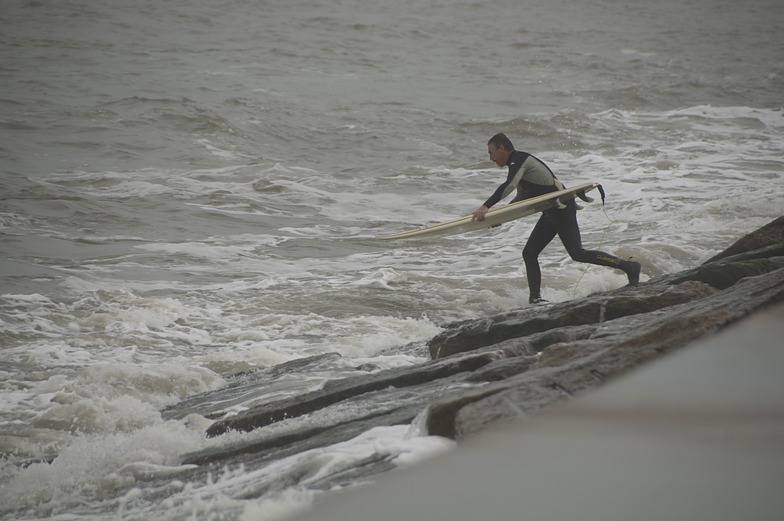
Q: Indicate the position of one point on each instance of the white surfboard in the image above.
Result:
(500, 214)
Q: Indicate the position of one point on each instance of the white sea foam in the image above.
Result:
(398, 444)
(160, 235)
(91, 467)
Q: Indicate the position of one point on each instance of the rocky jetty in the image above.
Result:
(488, 372)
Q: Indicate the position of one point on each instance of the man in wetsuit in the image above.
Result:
(531, 177)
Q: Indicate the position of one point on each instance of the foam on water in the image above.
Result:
(93, 366)
(94, 468)
(110, 472)
(176, 210)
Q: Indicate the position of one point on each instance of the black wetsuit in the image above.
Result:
(531, 177)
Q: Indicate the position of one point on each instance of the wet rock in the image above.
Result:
(543, 326)
(304, 438)
(727, 271)
(249, 388)
(340, 390)
(567, 369)
(485, 372)
(769, 235)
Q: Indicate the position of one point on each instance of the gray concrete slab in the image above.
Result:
(697, 435)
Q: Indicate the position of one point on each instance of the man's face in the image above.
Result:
(500, 156)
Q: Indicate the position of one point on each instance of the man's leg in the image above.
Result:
(569, 232)
(544, 232)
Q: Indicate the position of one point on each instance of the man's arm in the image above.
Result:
(506, 188)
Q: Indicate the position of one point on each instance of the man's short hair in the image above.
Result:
(500, 140)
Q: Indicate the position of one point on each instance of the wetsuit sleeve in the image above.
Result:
(506, 188)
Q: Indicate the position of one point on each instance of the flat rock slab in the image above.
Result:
(696, 435)
(485, 374)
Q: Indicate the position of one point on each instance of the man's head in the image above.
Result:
(499, 147)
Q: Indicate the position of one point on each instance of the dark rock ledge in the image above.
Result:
(491, 371)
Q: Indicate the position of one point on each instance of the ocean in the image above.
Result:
(193, 189)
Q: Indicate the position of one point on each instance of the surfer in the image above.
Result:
(531, 177)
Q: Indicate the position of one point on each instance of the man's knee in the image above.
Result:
(580, 255)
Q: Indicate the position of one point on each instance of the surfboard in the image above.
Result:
(500, 214)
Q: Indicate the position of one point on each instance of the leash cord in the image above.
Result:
(610, 222)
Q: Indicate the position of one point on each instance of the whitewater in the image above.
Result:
(193, 190)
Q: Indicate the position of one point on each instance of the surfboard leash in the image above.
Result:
(610, 222)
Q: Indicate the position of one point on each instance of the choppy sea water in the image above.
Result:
(190, 190)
